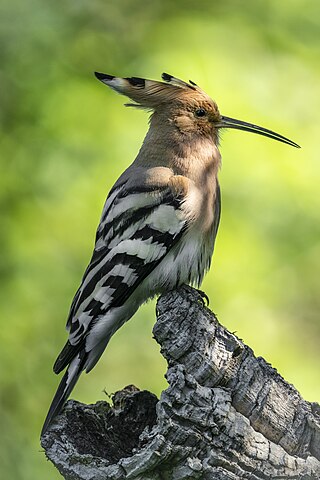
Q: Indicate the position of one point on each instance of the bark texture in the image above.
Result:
(225, 414)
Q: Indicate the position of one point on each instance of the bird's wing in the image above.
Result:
(217, 212)
(137, 229)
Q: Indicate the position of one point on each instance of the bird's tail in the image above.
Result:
(66, 385)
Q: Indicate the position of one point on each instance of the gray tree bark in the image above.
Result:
(225, 414)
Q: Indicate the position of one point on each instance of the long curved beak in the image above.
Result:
(227, 122)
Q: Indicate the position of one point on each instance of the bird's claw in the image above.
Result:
(204, 298)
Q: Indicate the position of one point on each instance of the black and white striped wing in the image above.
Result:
(136, 231)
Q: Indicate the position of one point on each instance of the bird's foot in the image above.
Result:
(204, 298)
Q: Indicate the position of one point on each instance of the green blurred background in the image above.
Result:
(65, 138)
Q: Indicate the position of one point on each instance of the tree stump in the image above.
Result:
(225, 414)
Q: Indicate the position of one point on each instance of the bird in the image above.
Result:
(159, 223)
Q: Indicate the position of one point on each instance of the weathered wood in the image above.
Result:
(225, 415)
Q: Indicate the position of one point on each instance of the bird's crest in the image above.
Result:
(151, 94)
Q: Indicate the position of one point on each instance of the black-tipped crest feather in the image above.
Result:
(177, 82)
(136, 81)
(103, 76)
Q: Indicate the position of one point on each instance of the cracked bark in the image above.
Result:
(225, 414)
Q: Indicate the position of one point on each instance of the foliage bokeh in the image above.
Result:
(65, 138)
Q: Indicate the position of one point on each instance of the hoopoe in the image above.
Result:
(159, 223)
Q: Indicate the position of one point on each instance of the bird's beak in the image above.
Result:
(227, 122)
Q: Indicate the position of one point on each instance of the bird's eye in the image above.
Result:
(200, 112)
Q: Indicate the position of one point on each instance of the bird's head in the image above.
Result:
(182, 104)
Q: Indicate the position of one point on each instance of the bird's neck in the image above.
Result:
(190, 155)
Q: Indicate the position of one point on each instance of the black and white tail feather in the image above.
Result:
(66, 385)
